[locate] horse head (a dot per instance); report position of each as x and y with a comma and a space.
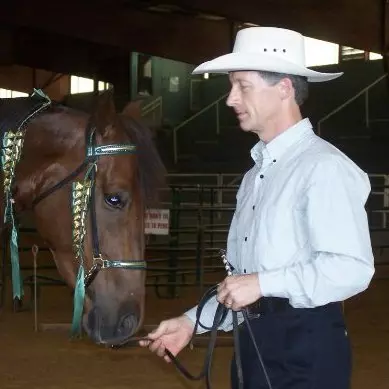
124, 185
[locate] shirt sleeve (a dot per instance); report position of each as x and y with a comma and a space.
342, 261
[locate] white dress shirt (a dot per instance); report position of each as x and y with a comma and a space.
300, 223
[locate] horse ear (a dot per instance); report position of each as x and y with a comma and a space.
104, 115
133, 109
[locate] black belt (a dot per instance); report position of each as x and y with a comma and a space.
268, 305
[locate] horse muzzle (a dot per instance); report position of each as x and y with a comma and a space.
104, 327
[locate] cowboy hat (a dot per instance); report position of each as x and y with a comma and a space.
266, 49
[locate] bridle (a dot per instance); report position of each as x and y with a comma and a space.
83, 201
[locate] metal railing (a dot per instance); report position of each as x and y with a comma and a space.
190, 119
154, 109
188, 255
380, 189
364, 91
223, 182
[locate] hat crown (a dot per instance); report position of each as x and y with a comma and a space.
271, 41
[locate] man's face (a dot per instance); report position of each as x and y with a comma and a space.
256, 103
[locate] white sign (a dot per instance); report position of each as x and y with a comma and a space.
157, 221
174, 84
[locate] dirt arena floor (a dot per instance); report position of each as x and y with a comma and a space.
50, 360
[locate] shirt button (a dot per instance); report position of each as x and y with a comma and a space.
274, 160
245, 238
261, 176
253, 207
244, 270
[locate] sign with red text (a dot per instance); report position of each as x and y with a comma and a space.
157, 221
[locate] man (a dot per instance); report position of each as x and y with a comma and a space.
299, 240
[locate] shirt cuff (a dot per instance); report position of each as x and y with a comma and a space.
204, 319
273, 283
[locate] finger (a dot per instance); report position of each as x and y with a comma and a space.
161, 351
144, 343
228, 304
155, 345
159, 331
220, 299
166, 357
223, 296
220, 287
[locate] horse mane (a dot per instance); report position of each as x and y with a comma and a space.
151, 170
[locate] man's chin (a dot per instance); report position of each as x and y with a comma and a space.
244, 127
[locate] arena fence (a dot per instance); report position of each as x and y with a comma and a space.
187, 256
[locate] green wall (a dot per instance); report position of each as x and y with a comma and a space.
171, 80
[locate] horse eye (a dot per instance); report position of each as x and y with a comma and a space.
114, 200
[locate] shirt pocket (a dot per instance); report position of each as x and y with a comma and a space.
285, 226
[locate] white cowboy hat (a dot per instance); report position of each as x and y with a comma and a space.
268, 49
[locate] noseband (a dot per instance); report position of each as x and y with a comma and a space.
83, 201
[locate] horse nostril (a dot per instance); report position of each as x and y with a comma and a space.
127, 325
104, 328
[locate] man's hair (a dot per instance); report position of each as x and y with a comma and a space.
300, 84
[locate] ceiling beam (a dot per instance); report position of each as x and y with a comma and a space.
354, 23
66, 55
7, 48
177, 37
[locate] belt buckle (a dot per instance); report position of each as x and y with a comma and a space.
250, 310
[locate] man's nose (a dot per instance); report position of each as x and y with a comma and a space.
231, 99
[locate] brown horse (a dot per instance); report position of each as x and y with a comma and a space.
54, 146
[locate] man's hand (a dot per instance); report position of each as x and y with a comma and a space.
173, 334
236, 292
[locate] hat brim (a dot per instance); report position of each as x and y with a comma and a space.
234, 62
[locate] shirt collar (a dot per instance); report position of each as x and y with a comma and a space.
278, 146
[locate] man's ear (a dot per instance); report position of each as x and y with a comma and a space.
104, 114
285, 88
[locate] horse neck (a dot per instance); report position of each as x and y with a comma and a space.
56, 133
54, 144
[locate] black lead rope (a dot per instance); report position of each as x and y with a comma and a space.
219, 318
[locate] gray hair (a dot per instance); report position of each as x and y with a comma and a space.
300, 84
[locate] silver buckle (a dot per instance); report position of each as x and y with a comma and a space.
98, 261
250, 313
